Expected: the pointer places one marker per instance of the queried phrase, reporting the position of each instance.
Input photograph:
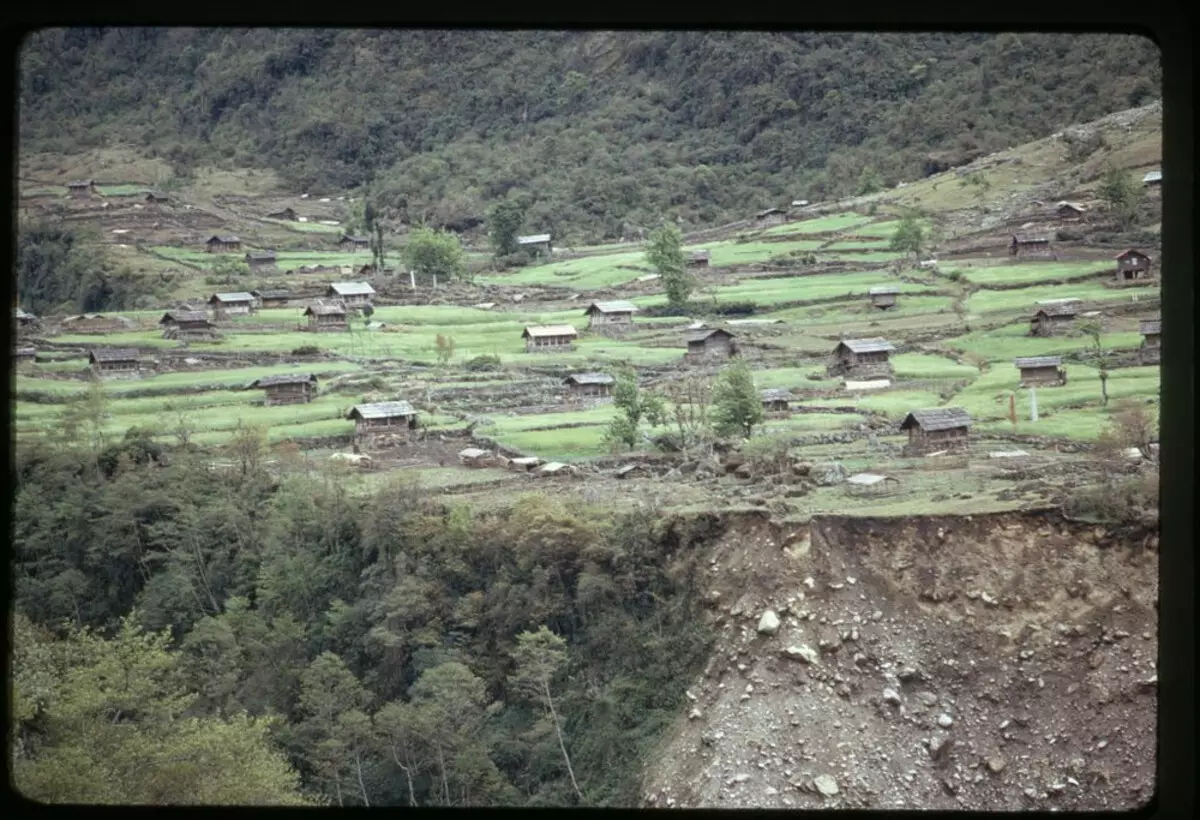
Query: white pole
(1033, 416)
(412, 280)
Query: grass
(987, 396)
(929, 366)
(990, 272)
(585, 273)
(1026, 299)
(823, 224)
(790, 289)
(1005, 343)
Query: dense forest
(190, 635)
(598, 132)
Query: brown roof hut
(862, 358)
(82, 188)
(1070, 211)
(286, 214)
(92, 323)
(1037, 246)
(1151, 350)
(271, 298)
(353, 242)
(1041, 371)
(258, 260)
(770, 216)
(383, 417)
(699, 259)
(712, 343)
(323, 318)
(114, 363)
(884, 296)
(1132, 265)
(549, 337)
(939, 428)
(1053, 316)
(185, 324)
(156, 198)
(220, 244)
(231, 304)
(610, 313)
(590, 384)
(286, 388)
(776, 402)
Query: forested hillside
(598, 132)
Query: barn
(938, 428)
(1151, 350)
(383, 417)
(549, 338)
(862, 358)
(1132, 265)
(1053, 316)
(713, 343)
(884, 296)
(324, 318)
(610, 313)
(286, 388)
(590, 385)
(1041, 371)
(115, 363)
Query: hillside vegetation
(599, 132)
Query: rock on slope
(996, 662)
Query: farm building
(1152, 178)
(286, 214)
(939, 428)
(351, 294)
(271, 298)
(258, 260)
(871, 484)
(590, 384)
(1041, 371)
(862, 358)
(714, 343)
(771, 216)
(286, 388)
(353, 243)
(114, 363)
(1151, 351)
(549, 337)
(24, 355)
(699, 259)
(475, 457)
(1132, 265)
(231, 304)
(1070, 211)
(610, 313)
(1053, 316)
(884, 296)
(186, 324)
(536, 244)
(156, 198)
(1037, 246)
(82, 189)
(95, 323)
(219, 244)
(776, 402)
(324, 318)
(383, 417)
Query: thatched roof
(937, 418)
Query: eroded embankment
(988, 662)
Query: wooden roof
(544, 331)
(183, 316)
(1064, 308)
(1037, 361)
(1149, 327)
(589, 378)
(937, 418)
(324, 310)
(1132, 252)
(230, 298)
(704, 335)
(223, 240)
(615, 306)
(866, 345)
(382, 410)
(113, 354)
(351, 289)
(283, 378)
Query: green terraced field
(823, 224)
(990, 272)
(1026, 299)
(1005, 343)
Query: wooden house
(324, 318)
(1031, 246)
(186, 324)
(1053, 316)
(260, 260)
(1132, 265)
(610, 313)
(699, 259)
(224, 305)
(351, 294)
(771, 216)
(1041, 371)
(862, 358)
(24, 356)
(776, 403)
(537, 244)
(286, 388)
(590, 385)
(1070, 211)
(221, 244)
(884, 296)
(94, 323)
(383, 417)
(82, 189)
(271, 298)
(1151, 350)
(714, 343)
(156, 198)
(939, 428)
(1152, 178)
(353, 243)
(549, 337)
(113, 363)
(286, 214)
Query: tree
(228, 269)
(737, 407)
(332, 732)
(869, 181)
(445, 349)
(664, 252)
(690, 398)
(1094, 331)
(506, 219)
(909, 236)
(435, 253)
(539, 657)
(634, 405)
(1122, 195)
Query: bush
(481, 364)
(306, 350)
(734, 309)
(954, 275)
(1128, 500)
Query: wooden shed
(537, 244)
(1070, 211)
(1041, 371)
(699, 259)
(286, 388)
(271, 298)
(1151, 350)
(1031, 246)
(286, 214)
(353, 242)
(1132, 265)
(156, 198)
(590, 384)
(81, 189)
(939, 428)
(770, 216)
(610, 313)
(221, 244)
(186, 324)
(776, 403)
(713, 343)
(884, 296)
(324, 318)
(1053, 316)
(862, 358)
(260, 260)
(383, 417)
(476, 457)
(231, 304)
(115, 363)
(24, 355)
(351, 294)
(549, 337)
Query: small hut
(383, 417)
(24, 355)
(610, 313)
(323, 318)
(1041, 371)
(1053, 316)
(699, 259)
(939, 428)
(549, 337)
(871, 484)
(771, 216)
(81, 189)
(1035, 246)
(713, 343)
(1151, 350)
(1070, 211)
(114, 363)
(475, 457)
(590, 385)
(224, 305)
(351, 294)
(222, 244)
(776, 403)
(536, 244)
(287, 214)
(352, 242)
(186, 324)
(260, 260)
(271, 298)
(157, 198)
(93, 323)
(884, 296)
(286, 388)
(862, 358)
(1132, 265)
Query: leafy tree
(435, 253)
(1094, 331)
(228, 269)
(505, 221)
(61, 267)
(664, 252)
(540, 656)
(869, 181)
(909, 236)
(1122, 195)
(634, 405)
(737, 407)
(690, 399)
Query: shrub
(734, 308)
(306, 350)
(484, 363)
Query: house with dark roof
(1070, 211)
(259, 260)
(221, 244)
(1151, 350)
(382, 417)
(862, 358)
(590, 385)
(1038, 246)
(286, 388)
(287, 214)
(1053, 316)
(776, 403)
(324, 317)
(537, 244)
(1132, 265)
(156, 198)
(884, 296)
(224, 305)
(115, 363)
(938, 428)
(186, 324)
(698, 259)
(549, 338)
(353, 242)
(713, 343)
(617, 312)
(81, 189)
(1041, 371)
